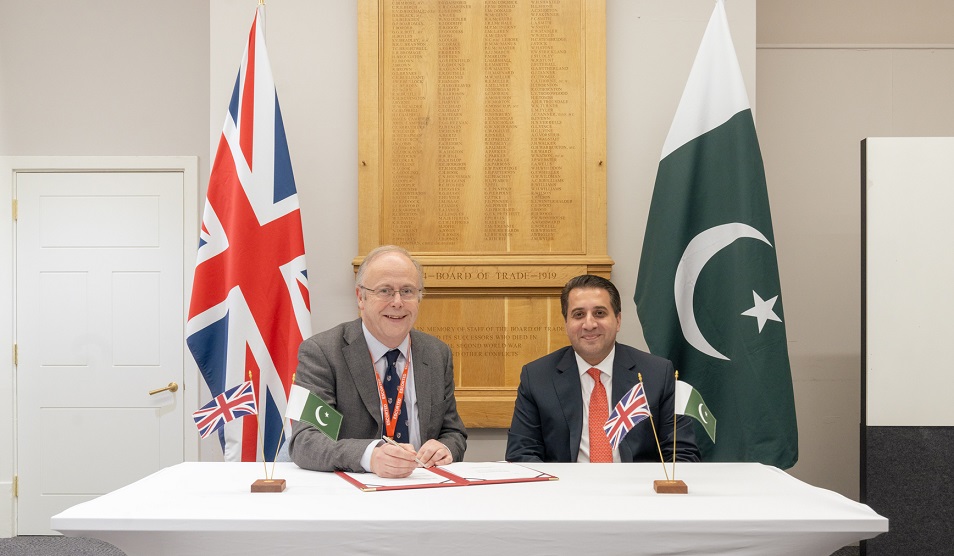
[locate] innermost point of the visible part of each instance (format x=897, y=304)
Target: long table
x=731, y=508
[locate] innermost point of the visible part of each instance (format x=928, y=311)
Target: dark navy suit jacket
x=548, y=415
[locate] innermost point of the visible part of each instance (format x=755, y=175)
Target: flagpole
x=278, y=447
x=281, y=435
x=261, y=442
x=259, y=433
x=266, y=484
x=674, y=416
x=656, y=436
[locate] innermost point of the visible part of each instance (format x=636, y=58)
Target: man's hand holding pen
x=393, y=460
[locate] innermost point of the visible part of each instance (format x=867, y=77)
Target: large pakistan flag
x=708, y=294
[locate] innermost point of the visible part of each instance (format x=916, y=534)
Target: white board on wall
x=909, y=274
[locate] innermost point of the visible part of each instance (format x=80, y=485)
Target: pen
x=391, y=441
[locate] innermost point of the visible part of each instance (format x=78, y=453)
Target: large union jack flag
x=631, y=409
x=227, y=406
x=249, y=309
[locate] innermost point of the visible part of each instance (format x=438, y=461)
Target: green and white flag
x=708, y=294
x=689, y=402
x=305, y=406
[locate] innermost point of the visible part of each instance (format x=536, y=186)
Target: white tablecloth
x=731, y=508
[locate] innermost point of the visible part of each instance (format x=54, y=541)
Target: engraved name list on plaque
x=482, y=141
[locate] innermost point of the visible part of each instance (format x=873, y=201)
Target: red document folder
x=455, y=474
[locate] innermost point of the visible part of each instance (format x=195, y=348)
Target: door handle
x=172, y=388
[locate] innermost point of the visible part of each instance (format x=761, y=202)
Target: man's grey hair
x=383, y=250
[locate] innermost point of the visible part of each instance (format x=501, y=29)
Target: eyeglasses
x=387, y=293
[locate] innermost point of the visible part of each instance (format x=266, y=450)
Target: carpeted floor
x=57, y=546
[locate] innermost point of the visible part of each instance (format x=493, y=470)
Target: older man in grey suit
x=353, y=365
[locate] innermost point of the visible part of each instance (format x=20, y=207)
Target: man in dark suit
x=353, y=365
x=552, y=417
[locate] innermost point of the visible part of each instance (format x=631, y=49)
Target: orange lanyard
x=390, y=421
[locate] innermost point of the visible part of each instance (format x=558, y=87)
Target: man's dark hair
x=590, y=281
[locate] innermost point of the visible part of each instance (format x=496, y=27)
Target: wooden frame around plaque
x=482, y=150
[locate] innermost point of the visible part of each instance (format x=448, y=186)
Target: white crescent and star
x=702, y=414
x=318, y=417
x=697, y=253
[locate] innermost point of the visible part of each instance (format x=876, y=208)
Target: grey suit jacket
x=336, y=366
x=548, y=415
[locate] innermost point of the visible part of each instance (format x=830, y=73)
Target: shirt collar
x=605, y=366
x=377, y=349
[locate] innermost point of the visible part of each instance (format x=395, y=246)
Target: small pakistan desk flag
x=689, y=402
x=708, y=294
x=305, y=406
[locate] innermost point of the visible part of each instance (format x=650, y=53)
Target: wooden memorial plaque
x=482, y=141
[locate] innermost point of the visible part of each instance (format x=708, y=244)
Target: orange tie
x=600, y=450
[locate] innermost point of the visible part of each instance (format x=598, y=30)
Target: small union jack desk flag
x=631, y=409
x=234, y=403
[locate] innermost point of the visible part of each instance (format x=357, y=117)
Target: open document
x=455, y=474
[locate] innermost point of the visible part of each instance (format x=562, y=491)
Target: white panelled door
x=99, y=325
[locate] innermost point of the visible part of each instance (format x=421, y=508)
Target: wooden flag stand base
x=268, y=485
x=670, y=487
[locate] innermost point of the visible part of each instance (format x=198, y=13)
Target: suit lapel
x=424, y=383
x=361, y=367
x=625, y=376
x=566, y=383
